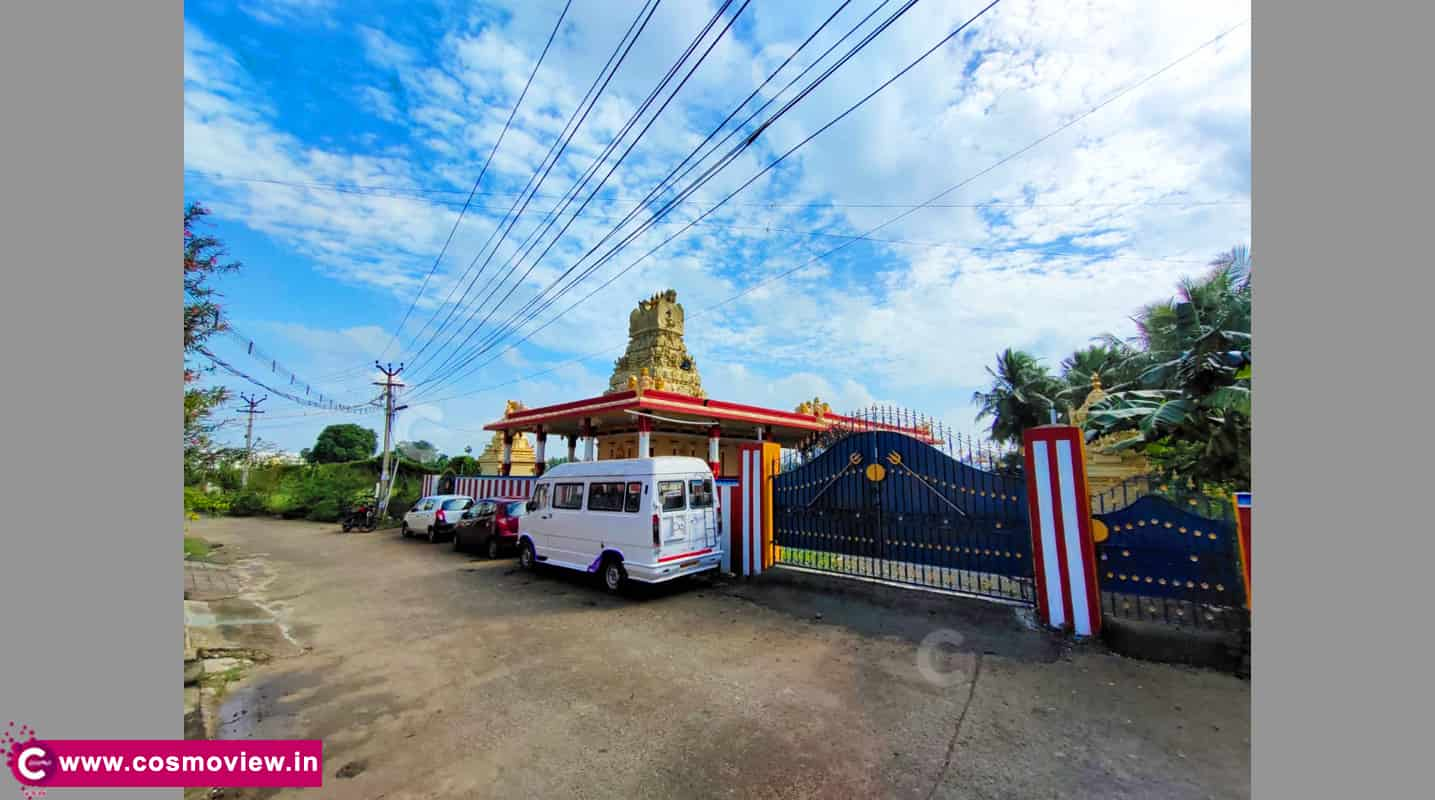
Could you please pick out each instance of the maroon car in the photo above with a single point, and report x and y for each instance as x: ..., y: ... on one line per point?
x: 491, y: 525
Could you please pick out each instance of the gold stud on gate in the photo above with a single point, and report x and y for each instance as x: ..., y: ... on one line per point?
x: 876, y: 472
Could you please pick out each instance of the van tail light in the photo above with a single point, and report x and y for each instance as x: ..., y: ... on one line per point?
x: 656, y: 542
x: 440, y: 517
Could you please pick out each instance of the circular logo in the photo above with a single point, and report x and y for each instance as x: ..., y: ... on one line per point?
x: 876, y: 472
x: 933, y: 658
x: 33, y: 763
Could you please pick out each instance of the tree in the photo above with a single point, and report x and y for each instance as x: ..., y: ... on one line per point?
x: 1193, y: 410
x: 1111, y: 358
x: 555, y: 461
x: 347, y: 442
x: 421, y: 451
x: 463, y: 465
x: 202, y: 319
x: 1021, y: 396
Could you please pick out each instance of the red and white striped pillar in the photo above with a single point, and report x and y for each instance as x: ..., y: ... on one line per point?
x: 1243, y: 532
x: 715, y: 451
x: 507, y: 467
x: 645, y: 436
x: 758, y: 463
x: 540, y: 462
x: 1063, y: 553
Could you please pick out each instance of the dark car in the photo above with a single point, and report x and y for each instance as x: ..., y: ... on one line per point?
x: 491, y: 526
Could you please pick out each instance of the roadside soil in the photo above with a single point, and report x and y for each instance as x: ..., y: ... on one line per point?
x: 434, y: 674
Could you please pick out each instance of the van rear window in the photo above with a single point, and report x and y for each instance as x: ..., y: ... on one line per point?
x: 567, y: 495
x: 634, y: 502
x: 605, y: 497
x: 701, y: 493
x: 672, y: 494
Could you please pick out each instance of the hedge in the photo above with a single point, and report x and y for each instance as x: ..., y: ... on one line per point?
x: 321, y: 492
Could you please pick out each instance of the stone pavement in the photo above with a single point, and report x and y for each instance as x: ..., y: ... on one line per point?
x: 204, y: 581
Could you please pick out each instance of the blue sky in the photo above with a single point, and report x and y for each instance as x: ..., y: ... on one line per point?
x: 398, y: 105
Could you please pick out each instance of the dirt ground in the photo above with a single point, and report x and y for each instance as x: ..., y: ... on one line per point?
x: 434, y: 674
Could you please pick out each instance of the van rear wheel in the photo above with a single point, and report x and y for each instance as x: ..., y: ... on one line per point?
x: 525, y: 555
x: 614, y: 576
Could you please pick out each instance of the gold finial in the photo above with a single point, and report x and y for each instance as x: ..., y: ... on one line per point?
x: 1096, y: 381
x: 632, y: 381
x: 805, y: 407
x: 512, y: 407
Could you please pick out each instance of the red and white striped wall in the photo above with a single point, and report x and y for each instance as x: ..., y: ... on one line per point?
x: 479, y: 487
x: 750, y: 490
x: 752, y: 547
x: 730, y: 502
x: 1064, y: 555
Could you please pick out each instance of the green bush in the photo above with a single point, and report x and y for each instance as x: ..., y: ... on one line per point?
x: 323, y: 491
x: 326, y: 510
x: 201, y: 502
x: 246, y: 504
x: 283, y: 504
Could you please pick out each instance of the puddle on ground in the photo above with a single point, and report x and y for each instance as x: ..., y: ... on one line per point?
x: 240, y: 713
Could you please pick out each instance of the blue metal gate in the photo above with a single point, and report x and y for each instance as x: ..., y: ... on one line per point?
x: 887, y: 505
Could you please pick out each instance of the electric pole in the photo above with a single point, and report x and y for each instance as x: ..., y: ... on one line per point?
x: 389, y: 384
x: 253, y: 408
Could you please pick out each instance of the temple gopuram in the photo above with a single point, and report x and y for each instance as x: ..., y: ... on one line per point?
x: 655, y: 406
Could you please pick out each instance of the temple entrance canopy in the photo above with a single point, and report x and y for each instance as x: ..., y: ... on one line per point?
x: 655, y: 406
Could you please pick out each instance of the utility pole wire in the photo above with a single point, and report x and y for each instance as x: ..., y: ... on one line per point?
x: 667, y: 179
x: 493, y: 150
x: 707, y: 175
x: 252, y: 409
x: 858, y: 237
x: 540, y: 174
x: 381, y: 495
x: 578, y: 186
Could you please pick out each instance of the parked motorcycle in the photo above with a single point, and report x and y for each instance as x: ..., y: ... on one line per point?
x: 362, y: 518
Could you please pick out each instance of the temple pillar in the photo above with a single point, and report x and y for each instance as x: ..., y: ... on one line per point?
x: 714, y: 450
x: 590, y: 444
x: 645, y: 435
x: 507, y: 466
x: 541, y: 461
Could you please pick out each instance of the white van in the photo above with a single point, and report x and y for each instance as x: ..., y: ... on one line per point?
x: 643, y: 519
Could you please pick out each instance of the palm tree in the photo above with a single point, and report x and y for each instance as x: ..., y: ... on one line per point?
x: 1110, y: 358
x: 1021, y: 396
x: 1194, y: 413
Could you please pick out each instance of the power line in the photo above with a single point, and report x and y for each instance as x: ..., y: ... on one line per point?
x: 253, y: 350
x: 707, y: 175
x: 598, y: 162
x: 238, y: 373
x: 559, y: 145
x: 399, y: 192
x: 513, y: 112
x: 692, y: 186
x: 1015, y: 154
x: 592, y: 170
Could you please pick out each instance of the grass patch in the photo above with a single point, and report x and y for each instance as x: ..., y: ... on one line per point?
x: 196, y: 549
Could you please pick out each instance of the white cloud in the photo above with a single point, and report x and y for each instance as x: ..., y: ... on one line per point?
x: 912, y: 324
